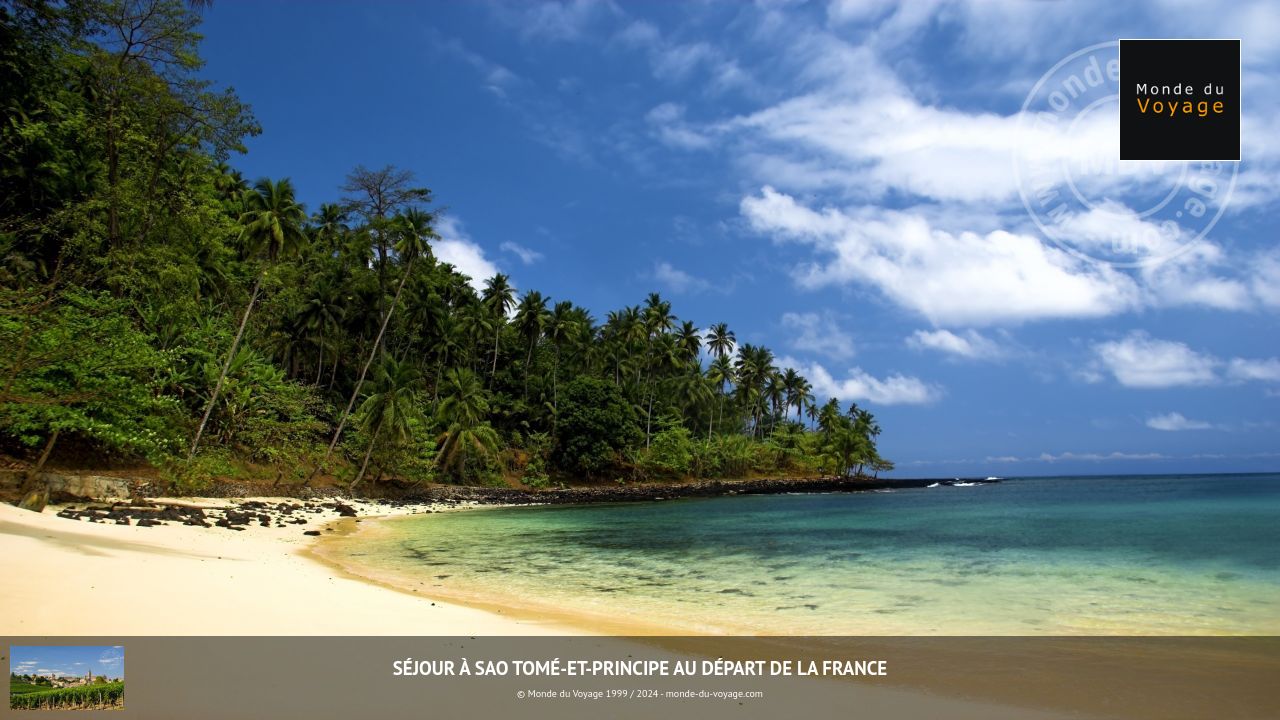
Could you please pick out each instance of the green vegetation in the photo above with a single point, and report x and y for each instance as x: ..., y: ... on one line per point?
x: 155, y: 306
x: 98, y: 695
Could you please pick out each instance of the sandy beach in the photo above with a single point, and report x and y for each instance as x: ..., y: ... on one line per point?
x: 82, y: 578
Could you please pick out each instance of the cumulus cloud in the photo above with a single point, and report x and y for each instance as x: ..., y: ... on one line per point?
x: 1245, y: 370
x: 1174, y: 421
x: 860, y: 386
x: 528, y: 256
x: 949, y: 278
x: 969, y: 344
x: 455, y: 247
x: 1141, y: 361
x: 676, y: 280
x: 819, y: 334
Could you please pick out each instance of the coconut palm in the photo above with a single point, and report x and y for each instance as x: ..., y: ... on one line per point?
x: 531, y: 318
x: 413, y: 229
x: 562, y: 326
x: 271, y: 228
x: 690, y: 342
x: 463, y: 408
x: 720, y: 340
x: 391, y: 408
x: 499, y: 297
x: 720, y: 373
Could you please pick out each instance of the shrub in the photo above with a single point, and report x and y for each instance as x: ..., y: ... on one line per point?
x: 595, y: 426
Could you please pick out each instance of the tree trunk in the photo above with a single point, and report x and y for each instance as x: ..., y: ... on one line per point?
x: 528, y: 359
x: 355, y: 392
x: 493, y: 371
x: 226, y: 366
x: 320, y: 361
x: 35, y: 494
x: 368, y: 453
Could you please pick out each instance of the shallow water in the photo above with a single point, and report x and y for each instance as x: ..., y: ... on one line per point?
x: 1165, y: 555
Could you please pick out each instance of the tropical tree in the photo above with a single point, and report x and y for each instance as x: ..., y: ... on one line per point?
x: 720, y: 340
x: 531, y: 318
x: 271, y: 228
x: 391, y: 408
x: 498, y: 297
x: 463, y: 409
x: 414, y: 232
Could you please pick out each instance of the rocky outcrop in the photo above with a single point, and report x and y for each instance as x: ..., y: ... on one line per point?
x: 93, y: 487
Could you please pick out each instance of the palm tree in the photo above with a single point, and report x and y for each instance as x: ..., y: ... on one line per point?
x: 561, y: 327
x: 321, y: 316
x: 413, y: 230
x: 690, y: 342
x: 272, y: 227
x: 720, y: 340
x: 330, y: 228
x: 499, y: 297
x: 392, y: 407
x: 531, y: 318
x: 720, y: 373
x: 775, y: 393
x: 463, y: 410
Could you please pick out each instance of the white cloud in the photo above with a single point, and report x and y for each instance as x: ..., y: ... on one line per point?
x: 1265, y: 279
x: 818, y: 333
x: 970, y: 344
x: 669, y: 126
x: 677, y: 280
x: 949, y: 278
x: 560, y: 20
x: 1244, y: 370
x: 1174, y: 421
x: 1141, y: 361
x: 1049, y: 457
x: 528, y: 256
x: 495, y: 77
x: 456, y: 248
x: 859, y: 386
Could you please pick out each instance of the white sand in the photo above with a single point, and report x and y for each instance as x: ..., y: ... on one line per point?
x: 70, y: 577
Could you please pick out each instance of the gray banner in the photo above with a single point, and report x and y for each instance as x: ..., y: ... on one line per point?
x: 593, y: 677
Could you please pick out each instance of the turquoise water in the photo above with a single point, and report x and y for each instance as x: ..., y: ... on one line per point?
x: 1168, y: 555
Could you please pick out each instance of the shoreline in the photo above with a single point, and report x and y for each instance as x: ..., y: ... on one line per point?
x: 93, y: 578
x: 99, y: 579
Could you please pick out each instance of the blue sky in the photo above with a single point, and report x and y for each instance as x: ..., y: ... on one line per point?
x: 834, y: 180
x: 67, y: 660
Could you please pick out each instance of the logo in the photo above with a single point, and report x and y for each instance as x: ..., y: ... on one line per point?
x: 1080, y: 192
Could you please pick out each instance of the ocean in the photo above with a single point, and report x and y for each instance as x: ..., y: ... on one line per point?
x: 1115, y: 555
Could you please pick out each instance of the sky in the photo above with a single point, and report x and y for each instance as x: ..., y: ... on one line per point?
x: 844, y: 182
x: 67, y: 660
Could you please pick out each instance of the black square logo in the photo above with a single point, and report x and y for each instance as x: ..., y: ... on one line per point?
x: 1179, y: 99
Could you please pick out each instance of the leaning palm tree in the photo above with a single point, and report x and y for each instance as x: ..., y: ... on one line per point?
x: 463, y: 409
x: 392, y: 407
x: 271, y: 227
x: 413, y: 229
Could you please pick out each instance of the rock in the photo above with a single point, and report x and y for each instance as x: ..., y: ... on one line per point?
x: 97, y: 487
x: 311, y: 532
